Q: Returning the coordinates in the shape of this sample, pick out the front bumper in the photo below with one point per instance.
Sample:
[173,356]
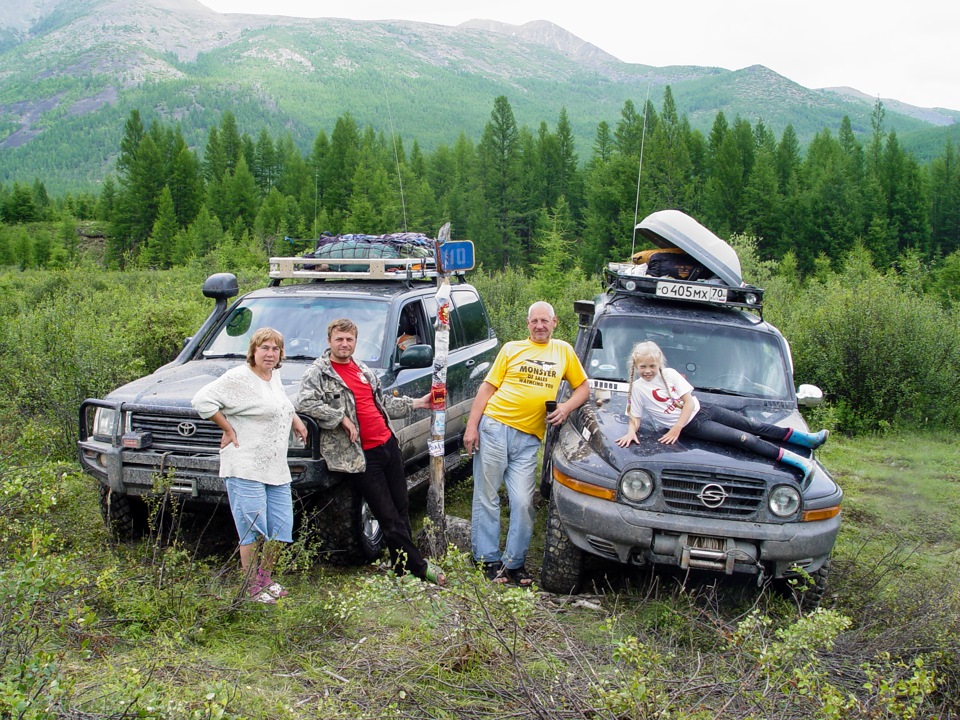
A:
[629,535]
[197,476]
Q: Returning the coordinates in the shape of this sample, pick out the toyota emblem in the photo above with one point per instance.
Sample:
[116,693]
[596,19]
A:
[712,495]
[186,429]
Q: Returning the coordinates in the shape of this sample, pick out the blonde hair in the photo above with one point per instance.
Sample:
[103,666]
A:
[641,350]
[650,350]
[259,338]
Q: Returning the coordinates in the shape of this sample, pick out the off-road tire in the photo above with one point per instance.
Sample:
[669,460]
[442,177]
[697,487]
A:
[810,598]
[341,525]
[126,516]
[563,562]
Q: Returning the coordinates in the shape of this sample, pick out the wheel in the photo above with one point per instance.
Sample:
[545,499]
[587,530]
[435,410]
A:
[562,568]
[341,523]
[124,515]
[807,594]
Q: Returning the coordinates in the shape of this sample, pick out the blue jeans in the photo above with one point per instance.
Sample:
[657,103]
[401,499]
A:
[505,456]
[260,510]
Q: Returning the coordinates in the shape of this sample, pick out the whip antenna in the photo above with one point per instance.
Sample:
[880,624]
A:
[396,152]
[636,207]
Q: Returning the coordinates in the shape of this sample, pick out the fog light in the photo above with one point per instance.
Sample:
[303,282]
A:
[137,440]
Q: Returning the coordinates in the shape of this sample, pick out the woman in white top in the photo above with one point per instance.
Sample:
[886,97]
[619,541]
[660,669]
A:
[668,398]
[249,404]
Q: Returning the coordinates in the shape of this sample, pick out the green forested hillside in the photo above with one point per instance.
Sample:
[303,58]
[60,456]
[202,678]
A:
[67,84]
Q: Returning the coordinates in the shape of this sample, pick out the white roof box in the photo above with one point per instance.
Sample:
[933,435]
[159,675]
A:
[672,228]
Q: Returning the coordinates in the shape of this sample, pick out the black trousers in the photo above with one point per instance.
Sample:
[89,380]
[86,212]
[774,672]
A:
[384,486]
[719,424]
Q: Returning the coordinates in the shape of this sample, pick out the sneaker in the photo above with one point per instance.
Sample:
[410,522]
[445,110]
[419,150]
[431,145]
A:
[267,584]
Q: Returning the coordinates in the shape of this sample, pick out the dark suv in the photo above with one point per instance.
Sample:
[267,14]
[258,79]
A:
[694,504]
[145,437]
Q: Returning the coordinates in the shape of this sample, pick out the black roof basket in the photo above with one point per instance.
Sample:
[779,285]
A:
[623,279]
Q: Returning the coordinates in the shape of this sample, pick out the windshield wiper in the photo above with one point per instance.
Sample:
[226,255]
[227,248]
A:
[224,356]
[724,391]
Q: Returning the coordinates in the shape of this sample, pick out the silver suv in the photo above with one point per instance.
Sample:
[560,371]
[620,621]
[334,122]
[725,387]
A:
[694,504]
[145,438]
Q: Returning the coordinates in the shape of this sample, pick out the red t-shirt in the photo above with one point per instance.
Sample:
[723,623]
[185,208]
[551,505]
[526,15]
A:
[373,427]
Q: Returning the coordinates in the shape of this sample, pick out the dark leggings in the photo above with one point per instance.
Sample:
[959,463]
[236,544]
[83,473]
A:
[718,424]
[384,486]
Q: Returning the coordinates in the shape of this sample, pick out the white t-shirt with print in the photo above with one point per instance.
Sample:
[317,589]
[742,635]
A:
[659,397]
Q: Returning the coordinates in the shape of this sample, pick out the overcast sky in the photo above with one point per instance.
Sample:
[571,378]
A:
[907,52]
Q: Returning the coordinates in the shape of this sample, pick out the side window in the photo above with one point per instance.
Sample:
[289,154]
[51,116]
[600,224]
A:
[471,316]
[411,328]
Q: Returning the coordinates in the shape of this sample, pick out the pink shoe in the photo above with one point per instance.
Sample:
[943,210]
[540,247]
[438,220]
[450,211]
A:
[268,585]
[258,594]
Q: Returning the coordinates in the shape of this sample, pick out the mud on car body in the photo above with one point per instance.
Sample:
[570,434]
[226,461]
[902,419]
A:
[695,504]
[144,437]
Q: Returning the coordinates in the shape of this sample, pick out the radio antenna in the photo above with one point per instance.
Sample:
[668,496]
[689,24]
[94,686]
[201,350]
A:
[636,207]
[396,151]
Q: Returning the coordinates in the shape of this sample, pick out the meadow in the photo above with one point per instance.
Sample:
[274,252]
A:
[91,628]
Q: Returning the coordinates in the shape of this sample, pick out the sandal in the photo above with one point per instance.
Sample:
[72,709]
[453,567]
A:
[268,584]
[258,594]
[519,576]
[494,572]
[435,575]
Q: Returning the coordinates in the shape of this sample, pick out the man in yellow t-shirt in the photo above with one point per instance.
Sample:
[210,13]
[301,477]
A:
[507,421]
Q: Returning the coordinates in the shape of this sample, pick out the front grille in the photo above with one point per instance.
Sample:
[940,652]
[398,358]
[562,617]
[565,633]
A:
[712,494]
[165,430]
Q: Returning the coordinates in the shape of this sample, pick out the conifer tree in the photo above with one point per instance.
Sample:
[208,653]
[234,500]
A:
[500,173]
[159,250]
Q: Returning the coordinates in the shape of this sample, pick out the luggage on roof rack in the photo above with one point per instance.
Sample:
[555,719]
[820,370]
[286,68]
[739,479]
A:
[391,245]
[692,264]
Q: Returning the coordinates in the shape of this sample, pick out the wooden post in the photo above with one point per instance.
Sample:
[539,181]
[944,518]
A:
[436,536]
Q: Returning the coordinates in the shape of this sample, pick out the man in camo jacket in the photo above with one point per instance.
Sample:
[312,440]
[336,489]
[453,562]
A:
[345,398]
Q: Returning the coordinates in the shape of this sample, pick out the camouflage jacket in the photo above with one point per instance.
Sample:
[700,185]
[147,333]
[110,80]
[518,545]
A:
[327,399]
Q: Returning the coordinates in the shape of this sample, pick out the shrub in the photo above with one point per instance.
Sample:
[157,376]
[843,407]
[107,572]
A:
[884,355]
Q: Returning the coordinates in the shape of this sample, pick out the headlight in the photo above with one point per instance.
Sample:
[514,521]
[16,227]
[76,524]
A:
[104,420]
[294,442]
[784,501]
[636,485]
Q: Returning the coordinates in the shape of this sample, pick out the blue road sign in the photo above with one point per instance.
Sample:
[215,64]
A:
[457,255]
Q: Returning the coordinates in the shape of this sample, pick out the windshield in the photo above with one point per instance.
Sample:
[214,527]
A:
[303,324]
[728,360]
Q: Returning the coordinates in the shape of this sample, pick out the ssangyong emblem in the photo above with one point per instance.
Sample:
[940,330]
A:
[712,495]
[186,429]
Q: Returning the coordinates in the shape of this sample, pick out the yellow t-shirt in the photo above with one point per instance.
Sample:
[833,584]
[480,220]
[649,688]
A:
[526,375]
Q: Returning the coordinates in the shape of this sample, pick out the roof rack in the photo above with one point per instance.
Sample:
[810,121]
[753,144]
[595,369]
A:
[626,279]
[381,268]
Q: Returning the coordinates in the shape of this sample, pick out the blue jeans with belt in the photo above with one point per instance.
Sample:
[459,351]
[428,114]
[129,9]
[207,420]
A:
[505,456]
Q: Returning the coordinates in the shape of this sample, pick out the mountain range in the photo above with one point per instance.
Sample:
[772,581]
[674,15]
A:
[71,71]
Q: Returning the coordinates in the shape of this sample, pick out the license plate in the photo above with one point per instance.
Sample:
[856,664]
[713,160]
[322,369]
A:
[699,293]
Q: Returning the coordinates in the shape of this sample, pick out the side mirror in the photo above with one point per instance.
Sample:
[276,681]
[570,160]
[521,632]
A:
[221,286]
[809,395]
[417,356]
